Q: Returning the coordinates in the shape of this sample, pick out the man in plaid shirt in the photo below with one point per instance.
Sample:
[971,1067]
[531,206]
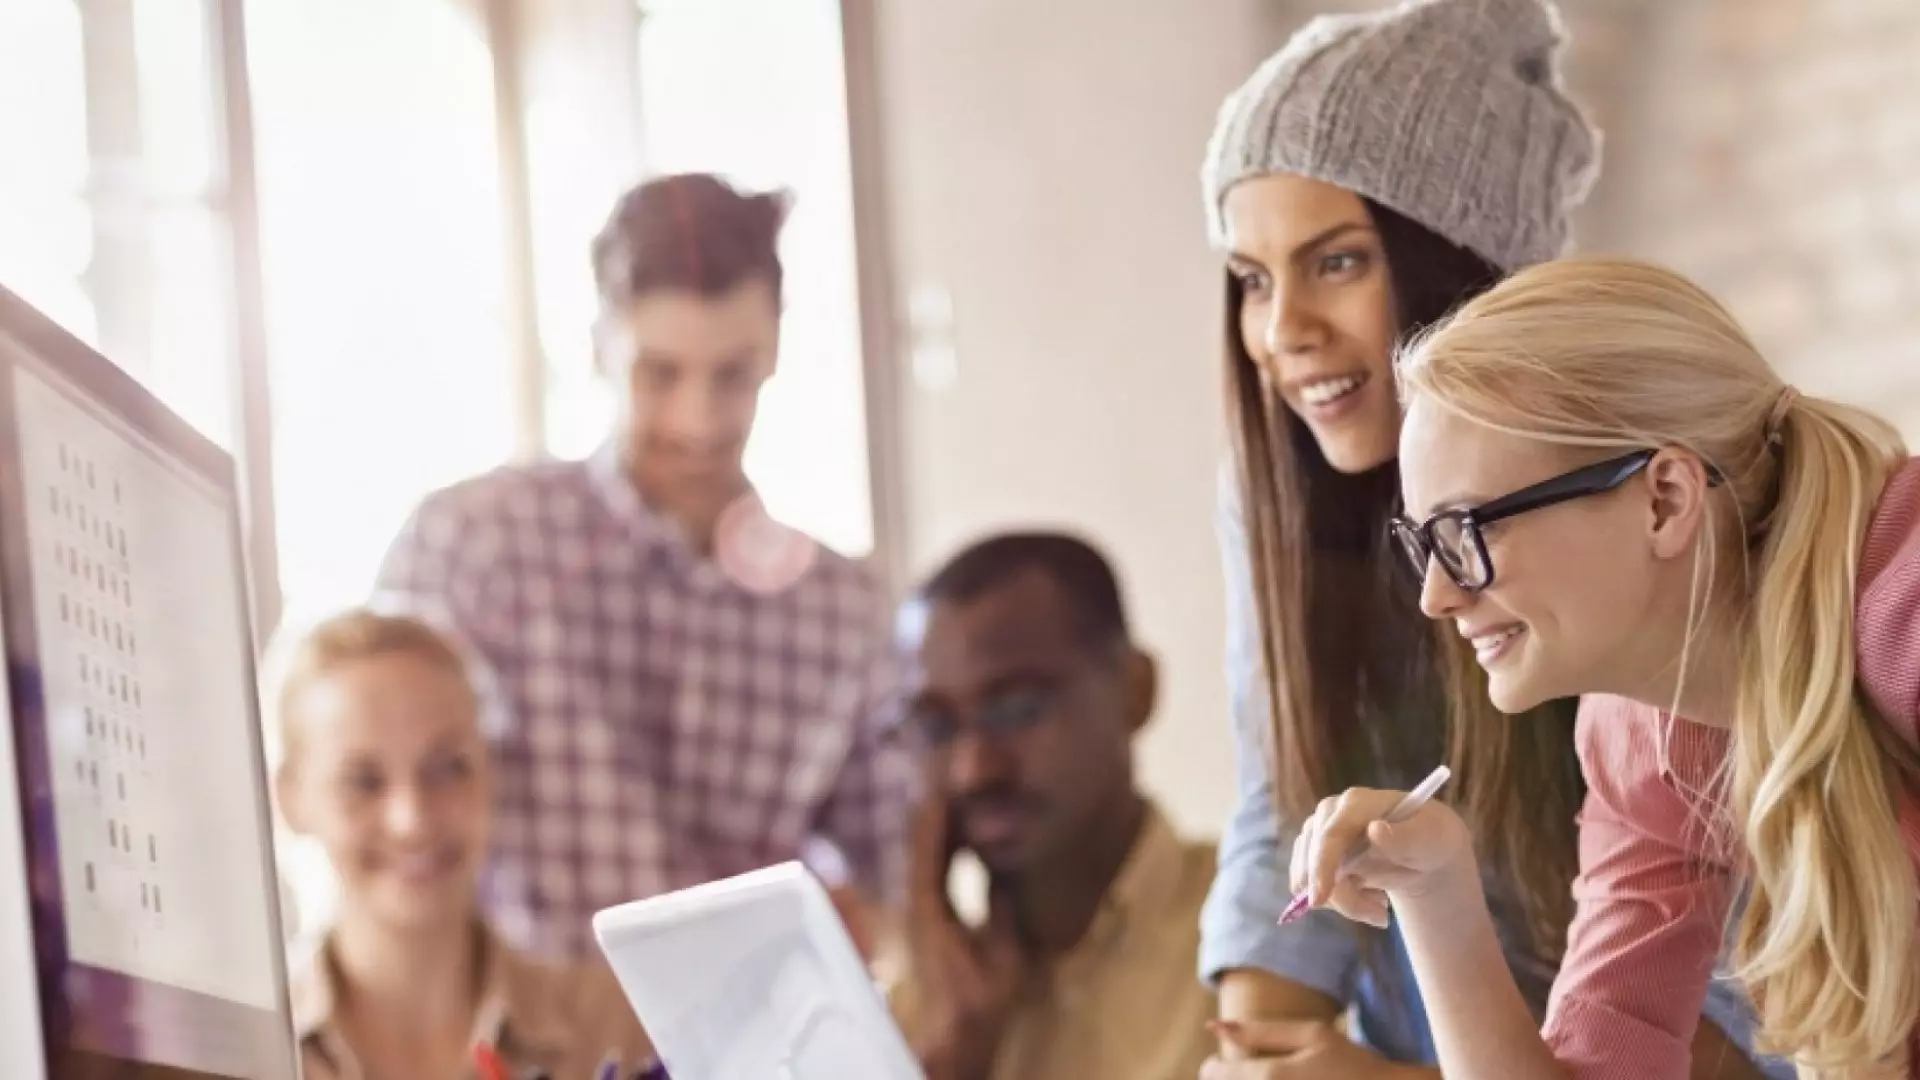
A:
[690,690]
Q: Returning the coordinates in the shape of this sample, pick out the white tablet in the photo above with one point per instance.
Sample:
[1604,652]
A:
[753,978]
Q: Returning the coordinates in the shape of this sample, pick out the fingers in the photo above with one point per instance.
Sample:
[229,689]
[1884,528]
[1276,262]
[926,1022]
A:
[1338,828]
[929,839]
[977,969]
[957,965]
[1415,842]
[1264,1038]
[1219,1068]
[861,919]
[930,859]
[1359,903]
[1267,1067]
[1306,848]
[1302,850]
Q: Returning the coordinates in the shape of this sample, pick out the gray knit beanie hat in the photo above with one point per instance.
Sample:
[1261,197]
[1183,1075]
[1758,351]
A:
[1447,111]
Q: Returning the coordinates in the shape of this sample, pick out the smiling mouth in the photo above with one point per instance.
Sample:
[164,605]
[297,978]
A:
[1489,646]
[423,867]
[1325,392]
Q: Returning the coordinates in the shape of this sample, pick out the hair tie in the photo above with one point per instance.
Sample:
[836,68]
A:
[1781,406]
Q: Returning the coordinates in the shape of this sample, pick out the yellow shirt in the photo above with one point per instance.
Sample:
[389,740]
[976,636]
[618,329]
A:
[1125,1002]
[563,1021]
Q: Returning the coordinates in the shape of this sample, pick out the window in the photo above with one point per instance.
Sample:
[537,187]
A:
[384,259]
[384,268]
[107,200]
[44,220]
[384,245]
[786,126]
[383,200]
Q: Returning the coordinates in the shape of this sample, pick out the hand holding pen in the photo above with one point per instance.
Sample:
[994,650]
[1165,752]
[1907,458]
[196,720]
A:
[1361,846]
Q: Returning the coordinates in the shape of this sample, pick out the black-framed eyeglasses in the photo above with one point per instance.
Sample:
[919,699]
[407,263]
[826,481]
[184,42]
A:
[1453,537]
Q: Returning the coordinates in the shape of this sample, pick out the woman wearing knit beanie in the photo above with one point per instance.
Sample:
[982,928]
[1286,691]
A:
[1375,173]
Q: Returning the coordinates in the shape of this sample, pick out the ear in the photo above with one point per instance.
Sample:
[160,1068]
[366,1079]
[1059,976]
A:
[1143,688]
[1677,482]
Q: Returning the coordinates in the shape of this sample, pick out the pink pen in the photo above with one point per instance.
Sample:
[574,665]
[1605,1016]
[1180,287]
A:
[1401,811]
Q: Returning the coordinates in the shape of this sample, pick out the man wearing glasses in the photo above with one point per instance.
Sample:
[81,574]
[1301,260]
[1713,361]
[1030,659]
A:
[1027,692]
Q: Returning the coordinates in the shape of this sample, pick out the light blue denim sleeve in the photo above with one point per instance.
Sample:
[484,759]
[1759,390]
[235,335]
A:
[1728,1007]
[1239,927]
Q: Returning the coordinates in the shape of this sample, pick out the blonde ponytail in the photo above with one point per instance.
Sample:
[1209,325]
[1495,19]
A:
[1613,353]
[1827,940]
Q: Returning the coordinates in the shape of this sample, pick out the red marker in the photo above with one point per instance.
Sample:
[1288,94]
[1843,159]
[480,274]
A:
[491,1065]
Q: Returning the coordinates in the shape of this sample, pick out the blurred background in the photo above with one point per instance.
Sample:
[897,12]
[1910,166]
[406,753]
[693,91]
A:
[347,239]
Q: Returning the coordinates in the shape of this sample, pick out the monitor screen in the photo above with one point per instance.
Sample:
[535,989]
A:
[142,803]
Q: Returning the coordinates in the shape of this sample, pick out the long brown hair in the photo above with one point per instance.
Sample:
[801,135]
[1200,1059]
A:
[1342,639]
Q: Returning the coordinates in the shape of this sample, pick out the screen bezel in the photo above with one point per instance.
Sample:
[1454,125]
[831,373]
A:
[118,397]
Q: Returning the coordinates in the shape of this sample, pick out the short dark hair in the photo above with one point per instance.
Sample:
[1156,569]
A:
[691,231]
[1078,568]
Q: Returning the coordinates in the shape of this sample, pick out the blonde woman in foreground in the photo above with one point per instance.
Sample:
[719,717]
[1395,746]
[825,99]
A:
[1609,492]
[385,765]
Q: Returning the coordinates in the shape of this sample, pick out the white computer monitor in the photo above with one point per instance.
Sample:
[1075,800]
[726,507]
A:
[136,857]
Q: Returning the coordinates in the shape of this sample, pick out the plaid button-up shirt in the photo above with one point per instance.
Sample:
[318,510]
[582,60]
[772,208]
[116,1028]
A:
[663,725]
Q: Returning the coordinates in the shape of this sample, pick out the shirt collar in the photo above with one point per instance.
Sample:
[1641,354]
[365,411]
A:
[1145,886]
[513,1013]
[613,485]
[607,474]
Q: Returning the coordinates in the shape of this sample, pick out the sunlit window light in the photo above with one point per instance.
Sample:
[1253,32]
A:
[785,127]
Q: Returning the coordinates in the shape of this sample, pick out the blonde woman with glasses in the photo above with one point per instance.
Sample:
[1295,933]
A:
[1609,492]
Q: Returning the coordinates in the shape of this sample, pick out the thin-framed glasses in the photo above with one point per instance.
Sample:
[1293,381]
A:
[1003,714]
[1453,538]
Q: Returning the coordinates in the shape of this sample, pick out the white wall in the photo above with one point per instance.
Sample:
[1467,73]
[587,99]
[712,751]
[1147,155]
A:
[1042,165]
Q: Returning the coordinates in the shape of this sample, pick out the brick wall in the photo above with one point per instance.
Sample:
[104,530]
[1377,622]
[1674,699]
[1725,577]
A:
[1771,150]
